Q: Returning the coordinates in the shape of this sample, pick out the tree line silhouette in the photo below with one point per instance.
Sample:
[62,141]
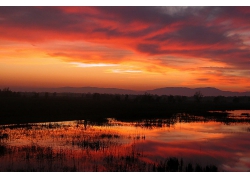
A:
[20,107]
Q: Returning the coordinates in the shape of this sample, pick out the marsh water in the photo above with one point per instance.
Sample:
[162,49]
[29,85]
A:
[180,143]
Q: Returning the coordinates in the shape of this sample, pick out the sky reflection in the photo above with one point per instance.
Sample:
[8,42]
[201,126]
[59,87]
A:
[225,146]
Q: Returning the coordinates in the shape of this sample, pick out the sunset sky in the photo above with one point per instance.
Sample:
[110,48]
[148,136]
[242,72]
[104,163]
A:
[138,48]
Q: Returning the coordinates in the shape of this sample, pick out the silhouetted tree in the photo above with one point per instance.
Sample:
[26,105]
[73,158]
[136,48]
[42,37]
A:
[36,95]
[96,96]
[173,164]
[126,97]
[218,99]
[147,98]
[6,92]
[198,96]
[189,168]
[236,99]
[117,97]
[211,168]
[181,165]
[46,94]
[3,150]
[198,168]
[171,99]
[180,99]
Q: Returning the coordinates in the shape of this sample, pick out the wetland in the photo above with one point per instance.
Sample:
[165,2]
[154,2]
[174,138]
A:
[114,133]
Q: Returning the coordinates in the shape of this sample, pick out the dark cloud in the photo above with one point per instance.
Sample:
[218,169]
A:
[136,14]
[109,32]
[202,79]
[239,13]
[38,17]
[200,32]
[149,48]
[193,35]
[234,57]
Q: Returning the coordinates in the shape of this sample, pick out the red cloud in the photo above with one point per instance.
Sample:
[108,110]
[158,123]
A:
[218,34]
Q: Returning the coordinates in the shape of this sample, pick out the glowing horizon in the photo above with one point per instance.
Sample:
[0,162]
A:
[137,48]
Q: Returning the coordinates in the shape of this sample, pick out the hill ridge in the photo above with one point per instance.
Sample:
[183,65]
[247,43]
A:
[181,91]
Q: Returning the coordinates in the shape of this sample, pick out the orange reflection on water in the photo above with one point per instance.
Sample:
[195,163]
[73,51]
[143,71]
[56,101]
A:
[122,146]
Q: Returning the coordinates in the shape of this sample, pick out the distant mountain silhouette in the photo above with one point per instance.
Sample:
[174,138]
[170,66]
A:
[181,91]
[207,91]
[86,90]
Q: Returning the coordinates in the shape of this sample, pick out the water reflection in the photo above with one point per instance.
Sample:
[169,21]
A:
[180,143]
[233,115]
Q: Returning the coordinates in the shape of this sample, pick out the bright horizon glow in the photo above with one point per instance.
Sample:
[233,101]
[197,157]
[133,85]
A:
[137,48]
[85,65]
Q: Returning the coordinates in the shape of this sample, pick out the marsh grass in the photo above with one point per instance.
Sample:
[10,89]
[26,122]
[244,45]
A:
[37,158]
[81,146]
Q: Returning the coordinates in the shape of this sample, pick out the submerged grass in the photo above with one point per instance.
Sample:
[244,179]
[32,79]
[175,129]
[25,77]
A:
[58,147]
[46,159]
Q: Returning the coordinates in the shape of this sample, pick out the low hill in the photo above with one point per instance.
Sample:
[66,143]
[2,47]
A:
[181,91]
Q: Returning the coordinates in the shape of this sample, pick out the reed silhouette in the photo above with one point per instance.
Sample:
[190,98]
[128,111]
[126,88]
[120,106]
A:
[80,150]
[2,150]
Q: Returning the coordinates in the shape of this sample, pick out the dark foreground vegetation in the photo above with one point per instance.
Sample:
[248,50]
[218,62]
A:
[79,147]
[47,160]
[19,107]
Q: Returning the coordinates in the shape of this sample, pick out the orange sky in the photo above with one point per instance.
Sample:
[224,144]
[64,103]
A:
[138,48]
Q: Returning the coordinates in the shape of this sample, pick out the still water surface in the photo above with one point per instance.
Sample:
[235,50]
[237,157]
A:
[125,146]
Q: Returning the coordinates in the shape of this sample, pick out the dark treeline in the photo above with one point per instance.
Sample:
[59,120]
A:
[20,107]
